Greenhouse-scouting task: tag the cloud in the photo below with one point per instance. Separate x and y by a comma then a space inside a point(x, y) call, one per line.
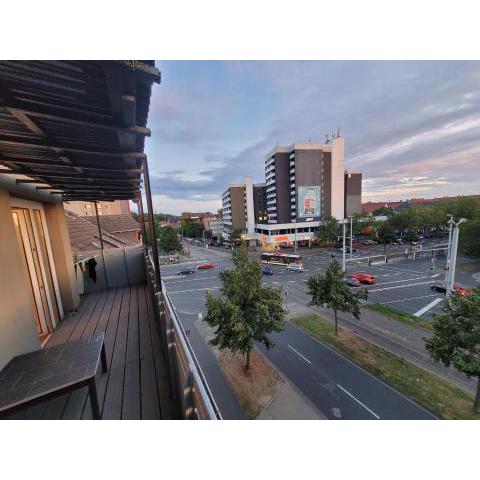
point(415, 124)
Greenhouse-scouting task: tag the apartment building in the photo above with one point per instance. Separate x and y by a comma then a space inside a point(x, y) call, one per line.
point(243, 204)
point(353, 192)
point(87, 209)
point(305, 183)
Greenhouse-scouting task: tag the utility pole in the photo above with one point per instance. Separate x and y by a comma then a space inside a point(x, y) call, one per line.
point(453, 256)
point(449, 249)
point(295, 231)
point(351, 238)
point(344, 223)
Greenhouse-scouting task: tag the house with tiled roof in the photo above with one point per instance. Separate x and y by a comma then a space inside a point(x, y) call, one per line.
point(122, 226)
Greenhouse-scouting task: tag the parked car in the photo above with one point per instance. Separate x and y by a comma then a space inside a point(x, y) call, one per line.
point(186, 271)
point(347, 249)
point(295, 267)
point(442, 288)
point(352, 282)
point(369, 241)
point(267, 270)
point(206, 266)
point(363, 277)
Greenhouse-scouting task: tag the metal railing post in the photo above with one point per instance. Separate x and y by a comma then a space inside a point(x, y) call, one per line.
point(148, 193)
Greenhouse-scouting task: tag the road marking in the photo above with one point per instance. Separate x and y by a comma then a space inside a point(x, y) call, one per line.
point(299, 354)
point(193, 290)
point(291, 281)
point(358, 401)
point(436, 275)
point(401, 286)
point(185, 280)
point(404, 280)
point(408, 299)
point(427, 307)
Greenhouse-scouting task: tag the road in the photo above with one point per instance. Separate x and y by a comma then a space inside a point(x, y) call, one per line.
point(336, 386)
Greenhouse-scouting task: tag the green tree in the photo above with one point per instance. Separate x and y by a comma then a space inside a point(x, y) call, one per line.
point(329, 230)
point(385, 233)
point(456, 336)
point(168, 239)
point(191, 228)
point(383, 211)
point(470, 238)
point(246, 312)
point(330, 289)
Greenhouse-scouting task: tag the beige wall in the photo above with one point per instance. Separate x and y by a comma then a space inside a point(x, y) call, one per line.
point(62, 254)
point(85, 209)
point(17, 324)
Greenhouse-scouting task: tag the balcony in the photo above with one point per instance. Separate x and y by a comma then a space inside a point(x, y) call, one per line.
point(93, 153)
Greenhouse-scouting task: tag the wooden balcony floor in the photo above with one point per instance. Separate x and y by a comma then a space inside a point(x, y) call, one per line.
point(136, 384)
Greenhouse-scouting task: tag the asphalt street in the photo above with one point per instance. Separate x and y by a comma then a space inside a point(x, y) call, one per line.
point(336, 386)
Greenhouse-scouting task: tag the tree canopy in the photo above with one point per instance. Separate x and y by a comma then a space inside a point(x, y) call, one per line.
point(331, 290)
point(329, 230)
point(456, 336)
point(168, 239)
point(246, 312)
point(191, 228)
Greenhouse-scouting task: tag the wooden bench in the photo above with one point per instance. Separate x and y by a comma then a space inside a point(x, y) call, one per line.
point(37, 376)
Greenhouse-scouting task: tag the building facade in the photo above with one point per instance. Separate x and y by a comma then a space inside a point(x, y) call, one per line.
point(243, 204)
point(353, 192)
point(305, 182)
point(87, 209)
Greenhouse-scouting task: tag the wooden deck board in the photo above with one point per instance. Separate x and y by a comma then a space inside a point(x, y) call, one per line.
point(135, 385)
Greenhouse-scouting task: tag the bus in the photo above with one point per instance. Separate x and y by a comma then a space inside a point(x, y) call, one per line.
point(280, 258)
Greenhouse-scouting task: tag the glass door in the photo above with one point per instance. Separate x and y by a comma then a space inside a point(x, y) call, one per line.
point(31, 241)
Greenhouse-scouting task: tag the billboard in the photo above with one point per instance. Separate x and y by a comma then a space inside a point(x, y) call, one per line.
point(308, 201)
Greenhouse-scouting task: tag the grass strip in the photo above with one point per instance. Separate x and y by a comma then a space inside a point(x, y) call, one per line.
point(432, 392)
point(400, 316)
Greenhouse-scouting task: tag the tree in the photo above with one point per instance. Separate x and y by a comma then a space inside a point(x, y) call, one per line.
point(470, 238)
point(245, 312)
point(385, 233)
point(168, 239)
point(456, 336)
point(331, 290)
point(191, 228)
point(329, 230)
point(383, 211)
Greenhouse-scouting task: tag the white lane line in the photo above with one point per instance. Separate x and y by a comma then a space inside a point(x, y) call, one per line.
point(193, 290)
point(427, 307)
point(401, 286)
point(436, 275)
point(404, 280)
point(358, 401)
point(299, 354)
point(408, 299)
point(291, 281)
point(186, 280)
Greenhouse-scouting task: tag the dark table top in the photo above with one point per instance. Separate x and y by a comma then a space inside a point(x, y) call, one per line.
point(33, 375)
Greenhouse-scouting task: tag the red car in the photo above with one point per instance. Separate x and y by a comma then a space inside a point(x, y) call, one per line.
point(363, 277)
point(205, 266)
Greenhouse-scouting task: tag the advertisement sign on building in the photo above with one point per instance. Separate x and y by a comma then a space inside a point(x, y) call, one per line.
point(309, 201)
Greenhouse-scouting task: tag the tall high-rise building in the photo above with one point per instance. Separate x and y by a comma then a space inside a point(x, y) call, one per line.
point(305, 182)
point(353, 192)
point(243, 205)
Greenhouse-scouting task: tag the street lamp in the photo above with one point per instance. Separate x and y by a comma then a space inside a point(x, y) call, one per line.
point(450, 222)
point(452, 261)
point(294, 221)
point(344, 223)
point(351, 237)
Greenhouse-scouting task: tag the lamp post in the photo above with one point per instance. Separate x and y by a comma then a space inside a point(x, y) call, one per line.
point(294, 221)
point(344, 223)
point(351, 238)
point(449, 249)
point(453, 256)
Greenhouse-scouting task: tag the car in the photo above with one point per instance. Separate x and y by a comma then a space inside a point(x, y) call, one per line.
point(186, 271)
point(442, 288)
point(352, 282)
point(369, 241)
point(347, 249)
point(267, 270)
point(363, 277)
point(295, 267)
point(206, 266)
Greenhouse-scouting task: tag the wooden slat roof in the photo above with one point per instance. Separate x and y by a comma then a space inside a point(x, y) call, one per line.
point(78, 127)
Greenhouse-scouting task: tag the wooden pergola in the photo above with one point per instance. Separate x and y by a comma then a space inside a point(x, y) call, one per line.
point(78, 128)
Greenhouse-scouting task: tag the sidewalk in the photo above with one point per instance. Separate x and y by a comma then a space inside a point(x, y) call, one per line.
point(398, 338)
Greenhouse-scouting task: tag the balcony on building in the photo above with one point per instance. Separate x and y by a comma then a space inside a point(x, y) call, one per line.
point(75, 131)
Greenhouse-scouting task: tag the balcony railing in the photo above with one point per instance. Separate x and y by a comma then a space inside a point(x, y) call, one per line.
point(186, 377)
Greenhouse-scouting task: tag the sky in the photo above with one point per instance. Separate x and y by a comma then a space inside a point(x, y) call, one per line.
point(413, 128)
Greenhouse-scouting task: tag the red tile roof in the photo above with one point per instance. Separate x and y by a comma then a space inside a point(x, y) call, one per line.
point(116, 223)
